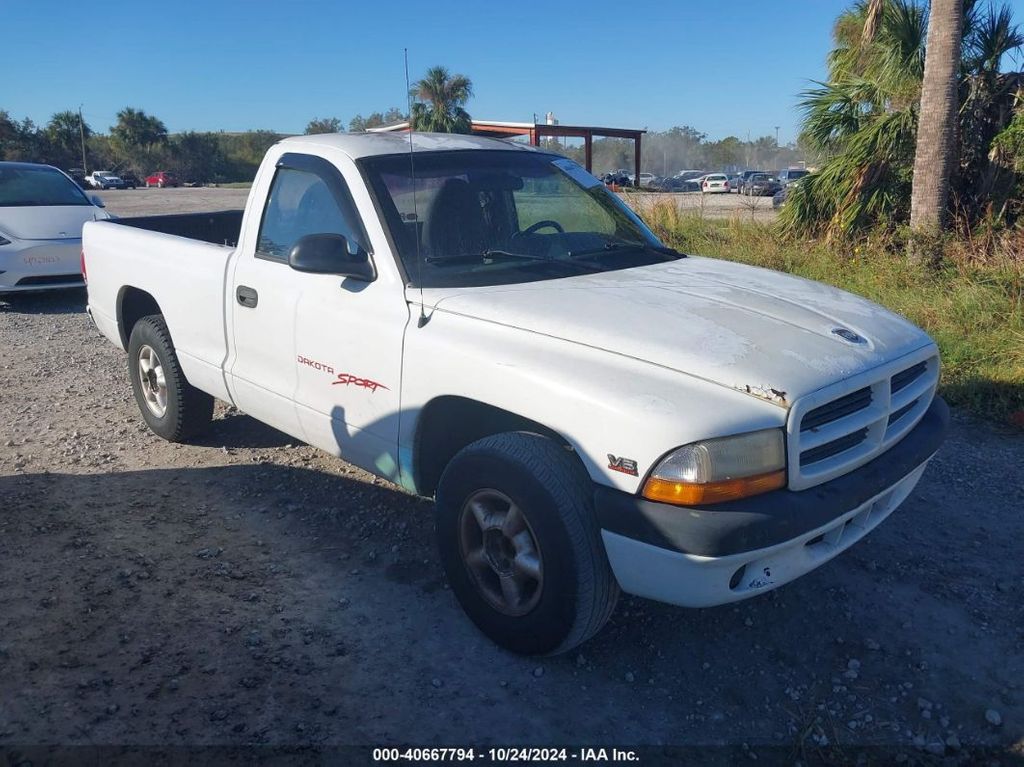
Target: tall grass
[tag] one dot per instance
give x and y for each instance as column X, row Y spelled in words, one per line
column 973, row 306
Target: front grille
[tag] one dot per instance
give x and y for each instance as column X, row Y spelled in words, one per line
column 837, row 429
column 51, row 279
column 836, row 409
column 906, row 377
column 898, row 414
column 835, row 447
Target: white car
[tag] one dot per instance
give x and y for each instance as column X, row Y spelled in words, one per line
column 715, row 183
column 42, row 211
column 646, row 179
column 104, row 179
column 491, row 327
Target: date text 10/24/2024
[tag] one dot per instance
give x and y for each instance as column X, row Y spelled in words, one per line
column 505, row 754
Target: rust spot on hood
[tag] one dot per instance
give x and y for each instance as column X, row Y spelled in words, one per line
column 775, row 396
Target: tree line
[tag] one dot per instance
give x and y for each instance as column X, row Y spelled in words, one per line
column 138, row 142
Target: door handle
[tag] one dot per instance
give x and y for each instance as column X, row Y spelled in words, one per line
column 247, row 297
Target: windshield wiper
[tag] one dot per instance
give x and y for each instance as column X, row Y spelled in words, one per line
column 487, row 255
column 625, row 245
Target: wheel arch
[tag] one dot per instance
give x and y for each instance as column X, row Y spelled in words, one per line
column 132, row 305
column 448, row 423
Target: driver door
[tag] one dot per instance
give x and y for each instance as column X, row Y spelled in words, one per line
column 318, row 355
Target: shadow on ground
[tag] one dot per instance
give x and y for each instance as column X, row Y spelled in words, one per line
column 68, row 301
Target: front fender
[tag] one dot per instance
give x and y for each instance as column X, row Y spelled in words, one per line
column 607, row 406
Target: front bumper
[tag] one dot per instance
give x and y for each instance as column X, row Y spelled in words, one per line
column 703, row 556
column 40, row 265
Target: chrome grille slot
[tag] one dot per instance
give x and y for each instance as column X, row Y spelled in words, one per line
column 835, row 447
column 836, row 409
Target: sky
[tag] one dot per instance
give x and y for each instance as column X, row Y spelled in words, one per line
column 724, row 67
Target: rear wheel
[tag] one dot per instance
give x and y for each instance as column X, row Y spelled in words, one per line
column 521, row 546
column 170, row 405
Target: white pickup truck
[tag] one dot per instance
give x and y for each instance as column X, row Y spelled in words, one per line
column 485, row 324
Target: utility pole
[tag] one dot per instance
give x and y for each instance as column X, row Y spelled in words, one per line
column 81, row 133
column 776, row 136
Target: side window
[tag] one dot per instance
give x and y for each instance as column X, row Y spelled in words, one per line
column 300, row 203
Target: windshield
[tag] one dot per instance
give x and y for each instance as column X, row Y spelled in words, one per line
column 26, row 185
column 499, row 217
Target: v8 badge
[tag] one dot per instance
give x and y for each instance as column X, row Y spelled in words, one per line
column 624, row 465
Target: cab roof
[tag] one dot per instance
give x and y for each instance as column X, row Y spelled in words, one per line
column 357, row 145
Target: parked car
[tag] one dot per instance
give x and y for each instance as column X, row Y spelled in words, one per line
column 131, row 181
column 42, row 210
column 668, row 184
column 616, row 178
column 761, row 185
column 743, row 177
column 161, row 179
column 104, row 179
column 646, row 179
column 591, row 410
column 715, row 183
column 788, row 176
column 780, row 198
column 78, row 176
column 690, row 179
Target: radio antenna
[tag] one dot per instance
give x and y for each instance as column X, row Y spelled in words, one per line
column 415, row 212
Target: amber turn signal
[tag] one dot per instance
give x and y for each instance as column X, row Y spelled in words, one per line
column 692, row 494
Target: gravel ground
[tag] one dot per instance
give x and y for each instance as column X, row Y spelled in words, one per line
column 147, row 202
column 245, row 589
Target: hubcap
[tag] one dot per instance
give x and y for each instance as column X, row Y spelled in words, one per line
column 501, row 552
column 151, row 376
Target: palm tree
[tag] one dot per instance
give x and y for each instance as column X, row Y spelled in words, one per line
column 936, row 157
column 864, row 118
column 441, row 98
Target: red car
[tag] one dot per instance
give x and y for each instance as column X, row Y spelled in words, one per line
column 161, row 179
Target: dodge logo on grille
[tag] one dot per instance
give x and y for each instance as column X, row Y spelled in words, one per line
column 847, row 335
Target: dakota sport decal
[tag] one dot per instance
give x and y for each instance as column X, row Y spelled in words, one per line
column 347, row 379
column 344, row 379
column 315, row 365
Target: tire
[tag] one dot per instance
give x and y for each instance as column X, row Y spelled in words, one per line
column 183, row 411
column 160, row 185
column 575, row 591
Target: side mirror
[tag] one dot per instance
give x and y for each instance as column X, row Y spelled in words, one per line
column 331, row 254
column 96, row 200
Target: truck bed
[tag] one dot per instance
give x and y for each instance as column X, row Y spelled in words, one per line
column 217, row 228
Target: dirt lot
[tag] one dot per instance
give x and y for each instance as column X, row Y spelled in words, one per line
column 245, row 589
column 710, row 205
column 145, row 202
column 135, row 202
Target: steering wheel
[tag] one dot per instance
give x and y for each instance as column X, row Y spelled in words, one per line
column 533, row 228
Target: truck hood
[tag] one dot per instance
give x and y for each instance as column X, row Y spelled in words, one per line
column 760, row 332
column 48, row 222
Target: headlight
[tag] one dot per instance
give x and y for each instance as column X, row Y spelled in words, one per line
column 716, row 470
column 4, row 240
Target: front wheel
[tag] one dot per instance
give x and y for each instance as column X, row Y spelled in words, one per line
column 170, row 405
column 521, row 546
